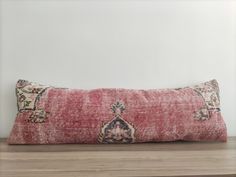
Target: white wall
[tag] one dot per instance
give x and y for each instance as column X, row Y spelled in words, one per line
column 117, row 43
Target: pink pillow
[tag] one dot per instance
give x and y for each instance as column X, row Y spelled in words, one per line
column 49, row 115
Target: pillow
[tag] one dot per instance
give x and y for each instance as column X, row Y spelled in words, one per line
column 49, row 115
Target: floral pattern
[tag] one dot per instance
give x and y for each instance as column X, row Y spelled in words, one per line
column 38, row 116
column 202, row 114
column 117, row 130
column 49, row 115
column 209, row 91
column 28, row 93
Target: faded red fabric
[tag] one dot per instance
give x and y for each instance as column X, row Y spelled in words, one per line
column 49, row 115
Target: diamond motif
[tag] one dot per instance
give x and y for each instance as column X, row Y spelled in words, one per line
column 117, row 130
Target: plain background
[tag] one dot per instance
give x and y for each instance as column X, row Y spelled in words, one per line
column 117, row 43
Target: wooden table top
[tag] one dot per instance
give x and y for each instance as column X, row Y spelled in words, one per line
column 186, row 159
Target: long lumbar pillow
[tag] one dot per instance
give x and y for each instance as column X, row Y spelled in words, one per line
column 49, row 115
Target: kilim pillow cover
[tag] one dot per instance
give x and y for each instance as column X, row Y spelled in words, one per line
column 49, row 115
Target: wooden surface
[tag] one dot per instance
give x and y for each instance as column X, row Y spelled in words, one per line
column 159, row 159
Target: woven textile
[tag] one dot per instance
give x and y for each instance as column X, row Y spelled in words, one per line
column 49, row 115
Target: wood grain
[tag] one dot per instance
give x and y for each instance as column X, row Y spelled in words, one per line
column 188, row 159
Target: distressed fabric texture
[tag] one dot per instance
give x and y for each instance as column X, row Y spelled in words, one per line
column 49, row 115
